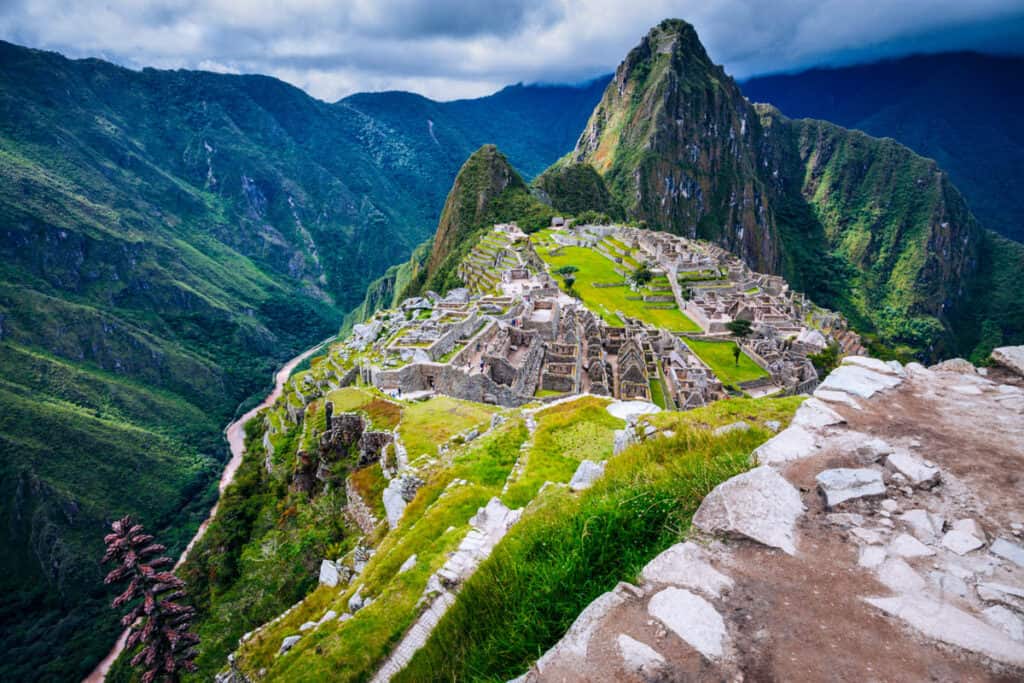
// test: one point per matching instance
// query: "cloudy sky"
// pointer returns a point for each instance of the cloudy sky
(447, 49)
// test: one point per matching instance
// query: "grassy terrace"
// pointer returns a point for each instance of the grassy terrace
(427, 424)
(569, 549)
(605, 301)
(566, 435)
(718, 356)
(383, 414)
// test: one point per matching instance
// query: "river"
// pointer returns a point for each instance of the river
(235, 435)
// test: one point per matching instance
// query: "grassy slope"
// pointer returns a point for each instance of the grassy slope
(567, 550)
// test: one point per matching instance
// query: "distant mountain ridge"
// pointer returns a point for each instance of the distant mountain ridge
(961, 109)
(166, 237)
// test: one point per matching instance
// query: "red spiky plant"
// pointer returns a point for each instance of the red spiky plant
(159, 621)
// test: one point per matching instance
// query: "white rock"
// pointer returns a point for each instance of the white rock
(871, 556)
(640, 658)
(1011, 596)
(760, 505)
(686, 565)
(1007, 550)
(740, 426)
(842, 484)
(946, 623)
(833, 396)
(288, 643)
(692, 618)
(948, 584)
(630, 410)
(773, 425)
(859, 381)
(967, 389)
(924, 525)
(905, 545)
(961, 542)
(307, 625)
(1005, 620)
(899, 577)
(890, 505)
(394, 502)
(869, 536)
(328, 615)
(623, 439)
(409, 563)
(329, 575)
(814, 414)
(1010, 357)
(917, 472)
(872, 364)
(970, 526)
(845, 519)
(586, 474)
(574, 644)
(792, 443)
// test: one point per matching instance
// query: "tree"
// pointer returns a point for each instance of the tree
(739, 328)
(566, 270)
(826, 360)
(736, 353)
(569, 281)
(158, 620)
(642, 275)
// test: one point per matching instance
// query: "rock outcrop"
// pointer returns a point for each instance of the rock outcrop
(922, 558)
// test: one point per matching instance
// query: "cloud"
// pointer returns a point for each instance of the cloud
(459, 48)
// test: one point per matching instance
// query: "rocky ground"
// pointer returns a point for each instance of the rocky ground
(880, 538)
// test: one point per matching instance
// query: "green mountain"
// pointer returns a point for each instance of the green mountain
(166, 239)
(861, 224)
(957, 108)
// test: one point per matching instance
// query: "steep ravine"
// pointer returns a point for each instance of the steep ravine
(234, 433)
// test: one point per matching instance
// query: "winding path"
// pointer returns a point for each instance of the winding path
(235, 435)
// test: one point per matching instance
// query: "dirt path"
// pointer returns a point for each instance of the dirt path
(235, 435)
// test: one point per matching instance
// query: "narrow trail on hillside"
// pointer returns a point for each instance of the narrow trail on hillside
(235, 435)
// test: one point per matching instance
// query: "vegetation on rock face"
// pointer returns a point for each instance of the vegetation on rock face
(956, 108)
(576, 188)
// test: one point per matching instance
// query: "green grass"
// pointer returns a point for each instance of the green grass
(657, 393)
(428, 424)
(605, 301)
(434, 523)
(718, 355)
(568, 550)
(566, 435)
(544, 393)
(370, 483)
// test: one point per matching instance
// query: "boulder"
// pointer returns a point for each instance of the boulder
(623, 439)
(640, 658)
(686, 565)
(923, 524)
(586, 474)
(918, 472)
(576, 641)
(957, 365)
(792, 443)
(1010, 357)
(833, 396)
(329, 574)
(961, 542)
(760, 505)
(409, 563)
(843, 484)
(859, 381)
(899, 577)
(873, 364)
(692, 618)
(1009, 551)
(740, 426)
(905, 545)
(630, 410)
(288, 643)
(814, 414)
(306, 626)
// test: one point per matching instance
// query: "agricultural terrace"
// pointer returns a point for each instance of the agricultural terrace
(594, 268)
